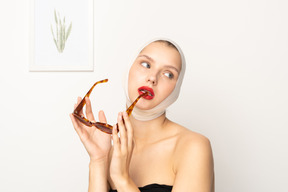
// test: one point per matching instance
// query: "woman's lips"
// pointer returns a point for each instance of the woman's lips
(144, 89)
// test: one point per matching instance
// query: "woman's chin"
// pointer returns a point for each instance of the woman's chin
(144, 106)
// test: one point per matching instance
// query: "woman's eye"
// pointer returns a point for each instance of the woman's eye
(145, 64)
(169, 75)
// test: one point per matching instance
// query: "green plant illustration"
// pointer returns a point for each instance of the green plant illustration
(61, 33)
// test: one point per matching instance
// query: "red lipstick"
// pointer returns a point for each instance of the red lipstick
(150, 91)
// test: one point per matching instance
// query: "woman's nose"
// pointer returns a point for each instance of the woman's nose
(152, 78)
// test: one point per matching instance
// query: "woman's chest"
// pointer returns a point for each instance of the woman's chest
(153, 165)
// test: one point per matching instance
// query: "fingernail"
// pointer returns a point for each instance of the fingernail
(125, 114)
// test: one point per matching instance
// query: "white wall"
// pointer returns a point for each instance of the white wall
(234, 92)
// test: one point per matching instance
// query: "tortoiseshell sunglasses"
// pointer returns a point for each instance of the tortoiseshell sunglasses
(101, 126)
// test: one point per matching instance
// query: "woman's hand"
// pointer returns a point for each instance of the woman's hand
(122, 151)
(95, 141)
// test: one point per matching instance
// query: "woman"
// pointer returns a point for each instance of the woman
(151, 152)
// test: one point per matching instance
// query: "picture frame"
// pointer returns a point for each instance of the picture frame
(61, 35)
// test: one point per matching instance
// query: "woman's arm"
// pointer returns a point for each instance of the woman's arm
(98, 176)
(98, 145)
(194, 165)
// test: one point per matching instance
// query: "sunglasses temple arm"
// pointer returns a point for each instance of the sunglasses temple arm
(129, 109)
(80, 106)
(83, 102)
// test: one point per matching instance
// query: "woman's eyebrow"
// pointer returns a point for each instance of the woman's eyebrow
(146, 56)
(171, 67)
(167, 66)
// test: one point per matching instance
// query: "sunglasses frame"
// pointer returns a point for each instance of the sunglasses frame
(104, 127)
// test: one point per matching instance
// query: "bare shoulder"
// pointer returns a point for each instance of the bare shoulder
(189, 139)
(190, 144)
(192, 161)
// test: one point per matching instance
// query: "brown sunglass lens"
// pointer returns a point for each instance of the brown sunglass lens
(83, 120)
(104, 127)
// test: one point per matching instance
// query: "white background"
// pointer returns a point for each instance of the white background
(234, 92)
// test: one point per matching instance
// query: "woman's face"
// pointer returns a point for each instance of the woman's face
(156, 70)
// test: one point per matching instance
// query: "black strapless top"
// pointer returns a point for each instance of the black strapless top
(153, 188)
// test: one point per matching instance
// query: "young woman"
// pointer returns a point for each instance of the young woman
(151, 153)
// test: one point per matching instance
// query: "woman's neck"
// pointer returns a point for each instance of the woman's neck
(146, 132)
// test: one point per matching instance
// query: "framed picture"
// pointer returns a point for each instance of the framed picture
(61, 35)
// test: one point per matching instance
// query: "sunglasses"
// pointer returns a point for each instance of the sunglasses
(106, 128)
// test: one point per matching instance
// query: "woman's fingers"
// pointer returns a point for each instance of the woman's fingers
(116, 140)
(123, 133)
(74, 121)
(129, 131)
(121, 155)
(89, 112)
(102, 117)
(76, 125)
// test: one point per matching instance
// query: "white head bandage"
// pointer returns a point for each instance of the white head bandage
(146, 115)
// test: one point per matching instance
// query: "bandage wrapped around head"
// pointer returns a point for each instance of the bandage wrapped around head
(146, 115)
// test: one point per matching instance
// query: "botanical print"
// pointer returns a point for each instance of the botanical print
(56, 45)
(61, 33)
